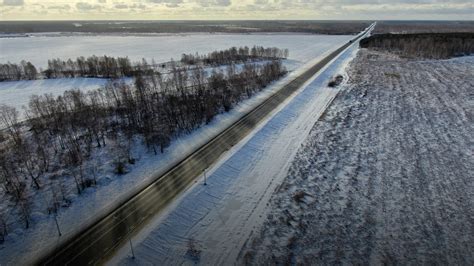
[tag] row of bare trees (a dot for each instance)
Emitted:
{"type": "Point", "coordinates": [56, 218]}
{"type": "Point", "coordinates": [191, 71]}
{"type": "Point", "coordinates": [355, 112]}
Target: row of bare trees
{"type": "Point", "coordinates": [93, 66]}
{"type": "Point", "coordinates": [23, 71]}
{"type": "Point", "coordinates": [234, 54]}
{"type": "Point", "coordinates": [54, 146]}
{"type": "Point", "coordinates": [111, 67]}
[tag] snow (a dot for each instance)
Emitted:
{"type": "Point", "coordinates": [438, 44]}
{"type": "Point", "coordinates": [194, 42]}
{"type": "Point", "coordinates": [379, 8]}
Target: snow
{"type": "Point", "coordinates": [219, 218]}
{"type": "Point", "coordinates": [386, 175]}
{"type": "Point", "coordinates": [23, 246]}
{"type": "Point", "coordinates": [39, 50]}
{"type": "Point", "coordinates": [18, 93]}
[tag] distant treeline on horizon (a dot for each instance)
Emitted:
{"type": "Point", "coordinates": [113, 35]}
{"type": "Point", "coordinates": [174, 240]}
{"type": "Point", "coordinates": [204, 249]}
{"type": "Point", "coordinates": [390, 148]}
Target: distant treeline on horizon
{"type": "Point", "coordinates": [423, 45]}
{"type": "Point", "coordinates": [313, 27]}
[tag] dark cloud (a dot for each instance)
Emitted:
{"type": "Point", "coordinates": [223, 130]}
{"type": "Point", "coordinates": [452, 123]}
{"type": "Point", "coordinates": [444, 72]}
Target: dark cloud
{"type": "Point", "coordinates": [83, 6]}
{"type": "Point", "coordinates": [213, 3]}
{"type": "Point", "coordinates": [177, 2]}
{"type": "Point", "coordinates": [60, 7]}
{"type": "Point", "coordinates": [13, 2]}
{"type": "Point", "coordinates": [121, 6]}
{"type": "Point", "coordinates": [168, 3]}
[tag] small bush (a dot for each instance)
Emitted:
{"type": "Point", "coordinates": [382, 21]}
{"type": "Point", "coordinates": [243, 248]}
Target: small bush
{"type": "Point", "coordinates": [336, 81]}
{"type": "Point", "coordinates": [248, 258]}
{"type": "Point", "coordinates": [66, 203]}
{"type": "Point", "coordinates": [3, 230]}
{"type": "Point", "coordinates": [193, 253]}
{"type": "Point", "coordinates": [299, 196]}
{"type": "Point", "coordinates": [89, 182]}
{"type": "Point", "coordinates": [393, 75]}
{"type": "Point", "coordinates": [120, 168]}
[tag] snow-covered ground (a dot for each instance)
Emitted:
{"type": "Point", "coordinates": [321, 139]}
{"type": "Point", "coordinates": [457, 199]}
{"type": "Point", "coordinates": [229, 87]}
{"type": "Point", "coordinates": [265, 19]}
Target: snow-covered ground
{"type": "Point", "coordinates": [161, 48]}
{"type": "Point", "coordinates": [18, 93]}
{"type": "Point", "coordinates": [23, 246]}
{"type": "Point", "coordinates": [385, 177]}
{"type": "Point", "coordinates": [210, 224]}
{"type": "Point", "coordinates": [38, 50]}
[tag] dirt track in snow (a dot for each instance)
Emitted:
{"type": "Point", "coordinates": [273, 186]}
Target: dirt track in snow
{"type": "Point", "coordinates": [386, 176]}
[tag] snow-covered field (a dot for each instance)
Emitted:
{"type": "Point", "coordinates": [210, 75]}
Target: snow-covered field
{"type": "Point", "coordinates": [18, 93]}
{"type": "Point", "coordinates": [162, 48]}
{"type": "Point", "coordinates": [210, 224]}
{"type": "Point", "coordinates": [385, 177]}
{"type": "Point", "coordinates": [23, 246]}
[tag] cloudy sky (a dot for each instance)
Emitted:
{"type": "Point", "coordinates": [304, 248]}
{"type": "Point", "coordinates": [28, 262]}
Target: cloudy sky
{"type": "Point", "coordinates": [235, 9]}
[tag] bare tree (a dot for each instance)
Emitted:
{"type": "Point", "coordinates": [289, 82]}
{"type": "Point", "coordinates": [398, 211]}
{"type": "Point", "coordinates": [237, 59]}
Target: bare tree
{"type": "Point", "coordinates": [9, 122]}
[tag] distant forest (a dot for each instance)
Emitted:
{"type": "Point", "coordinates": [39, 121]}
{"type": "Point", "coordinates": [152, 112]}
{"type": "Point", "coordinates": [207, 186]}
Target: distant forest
{"type": "Point", "coordinates": [423, 26]}
{"type": "Point", "coordinates": [111, 67]}
{"type": "Point", "coordinates": [302, 26]}
{"type": "Point", "coordinates": [423, 45]}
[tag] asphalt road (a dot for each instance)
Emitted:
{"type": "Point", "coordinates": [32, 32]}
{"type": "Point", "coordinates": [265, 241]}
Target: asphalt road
{"type": "Point", "coordinates": [97, 242]}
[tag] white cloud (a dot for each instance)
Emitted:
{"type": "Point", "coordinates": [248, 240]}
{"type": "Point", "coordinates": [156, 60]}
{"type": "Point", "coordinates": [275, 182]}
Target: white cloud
{"type": "Point", "coordinates": [212, 3]}
{"type": "Point", "coordinates": [166, 1]}
{"type": "Point", "coordinates": [59, 7]}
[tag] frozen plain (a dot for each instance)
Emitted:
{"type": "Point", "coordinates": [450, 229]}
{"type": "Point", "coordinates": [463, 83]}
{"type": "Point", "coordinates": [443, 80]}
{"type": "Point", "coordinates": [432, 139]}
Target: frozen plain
{"type": "Point", "coordinates": [24, 246]}
{"type": "Point", "coordinates": [210, 224]}
{"type": "Point", "coordinates": [161, 48]}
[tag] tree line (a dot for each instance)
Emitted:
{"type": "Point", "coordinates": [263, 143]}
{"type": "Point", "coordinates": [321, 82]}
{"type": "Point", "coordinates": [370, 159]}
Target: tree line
{"type": "Point", "coordinates": [234, 54]}
{"type": "Point", "coordinates": [54, 147]}
{"type": "Point", "coordinates": [93, 66]}
{"type": "Point", "coordinates": [423, 45]}
{"type": "Point", "coordinates": [23, 71]}
{"type": "Point", "coordinates": [111, 67]}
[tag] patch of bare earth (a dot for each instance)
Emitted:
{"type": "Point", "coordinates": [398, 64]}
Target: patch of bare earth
{"type": "Point", "coordinates": [385, 177]}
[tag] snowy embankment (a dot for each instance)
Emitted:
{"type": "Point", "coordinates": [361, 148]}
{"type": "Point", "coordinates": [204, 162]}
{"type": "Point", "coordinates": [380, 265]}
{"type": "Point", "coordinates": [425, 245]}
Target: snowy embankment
{"type": "Point", "coordinates": [210, 224]}
{"type": "Point", "coordinates": [24, 246]}
{"type": "Point", "coordinates": [385, 177]}
{"type": "Point", "coordinates": [39, 50]}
